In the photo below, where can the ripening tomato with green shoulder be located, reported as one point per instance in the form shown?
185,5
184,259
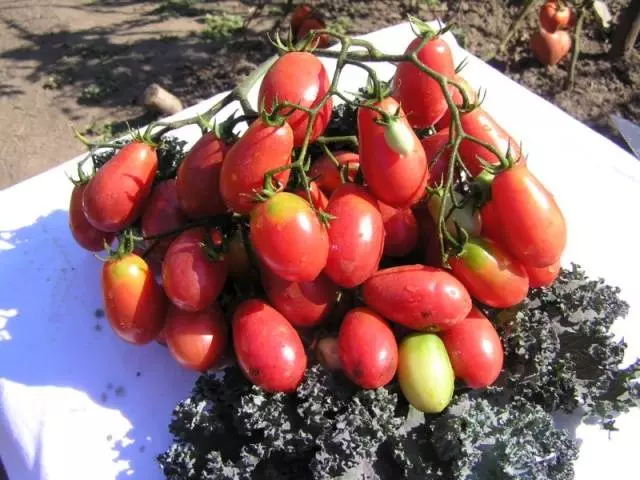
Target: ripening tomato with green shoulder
400,229
327,175
264,146
115,196
134,303
289,238
543,276
490,275
85,234
392,159
300,78
367,348
537,232
420,95
475,350
318,199
269,350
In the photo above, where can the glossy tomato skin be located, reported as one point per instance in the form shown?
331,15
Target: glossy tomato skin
550,47
445,121
401,230
260,149
438,157
289,238
397,179
544,276
135,304
356,236
318,198
327,176
198,178
537,232
191,279
304,304
268,348
490,275
475,350
197,340
298,77
418,297
162,214
420,95
85,234
115,196
553,16
368,350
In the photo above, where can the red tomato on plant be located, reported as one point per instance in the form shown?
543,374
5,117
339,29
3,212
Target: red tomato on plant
419,94
438,157
544,276
550,48
85,234
392,159
418,297
198,178
368,349
134,303
299,14
554,15
537,232
356,236
401,230
197,340
490,222
445,121
490,275
262,148
191,279
114,198
268,348
289,238
475,350
300,78
318,199
327,175
320,41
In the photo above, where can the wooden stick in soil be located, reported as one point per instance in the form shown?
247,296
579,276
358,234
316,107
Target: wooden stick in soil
513,28
575,53
158,99
627,32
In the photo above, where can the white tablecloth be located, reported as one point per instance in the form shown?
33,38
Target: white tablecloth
78,403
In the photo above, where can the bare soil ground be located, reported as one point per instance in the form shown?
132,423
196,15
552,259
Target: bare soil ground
85,63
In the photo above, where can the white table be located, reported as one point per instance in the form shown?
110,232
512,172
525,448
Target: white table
78,403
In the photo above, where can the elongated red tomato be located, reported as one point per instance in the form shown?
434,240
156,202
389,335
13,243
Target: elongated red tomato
269,350
197,340
198,178
162,214
298,77
115,196
356,236
368,349
536,233
475,350
260,149
418,297
191,279
554,15
392,159
544,276
327,175
490,275
85,234
401,230
438,157
445,121
318,198
134,303
420,95
289,238
304,304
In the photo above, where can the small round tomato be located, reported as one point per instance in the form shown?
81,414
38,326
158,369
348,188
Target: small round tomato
134,303
198,178
289,238
554,15
425,374
300,78
162,214
418,93
326,174
356,236
544,276
445,121
418,297
85,234
328,353
475,350
269,350
260,149
400,229
318,199
491,275
191,279
537,232
304,304
368,350
395,171
550,48
438,156
115,196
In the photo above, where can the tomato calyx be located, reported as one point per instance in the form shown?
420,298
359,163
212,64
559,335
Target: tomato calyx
215,245
82,176
127,242
275,118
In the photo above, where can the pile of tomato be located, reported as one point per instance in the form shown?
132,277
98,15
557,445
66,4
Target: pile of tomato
552,42
370,235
